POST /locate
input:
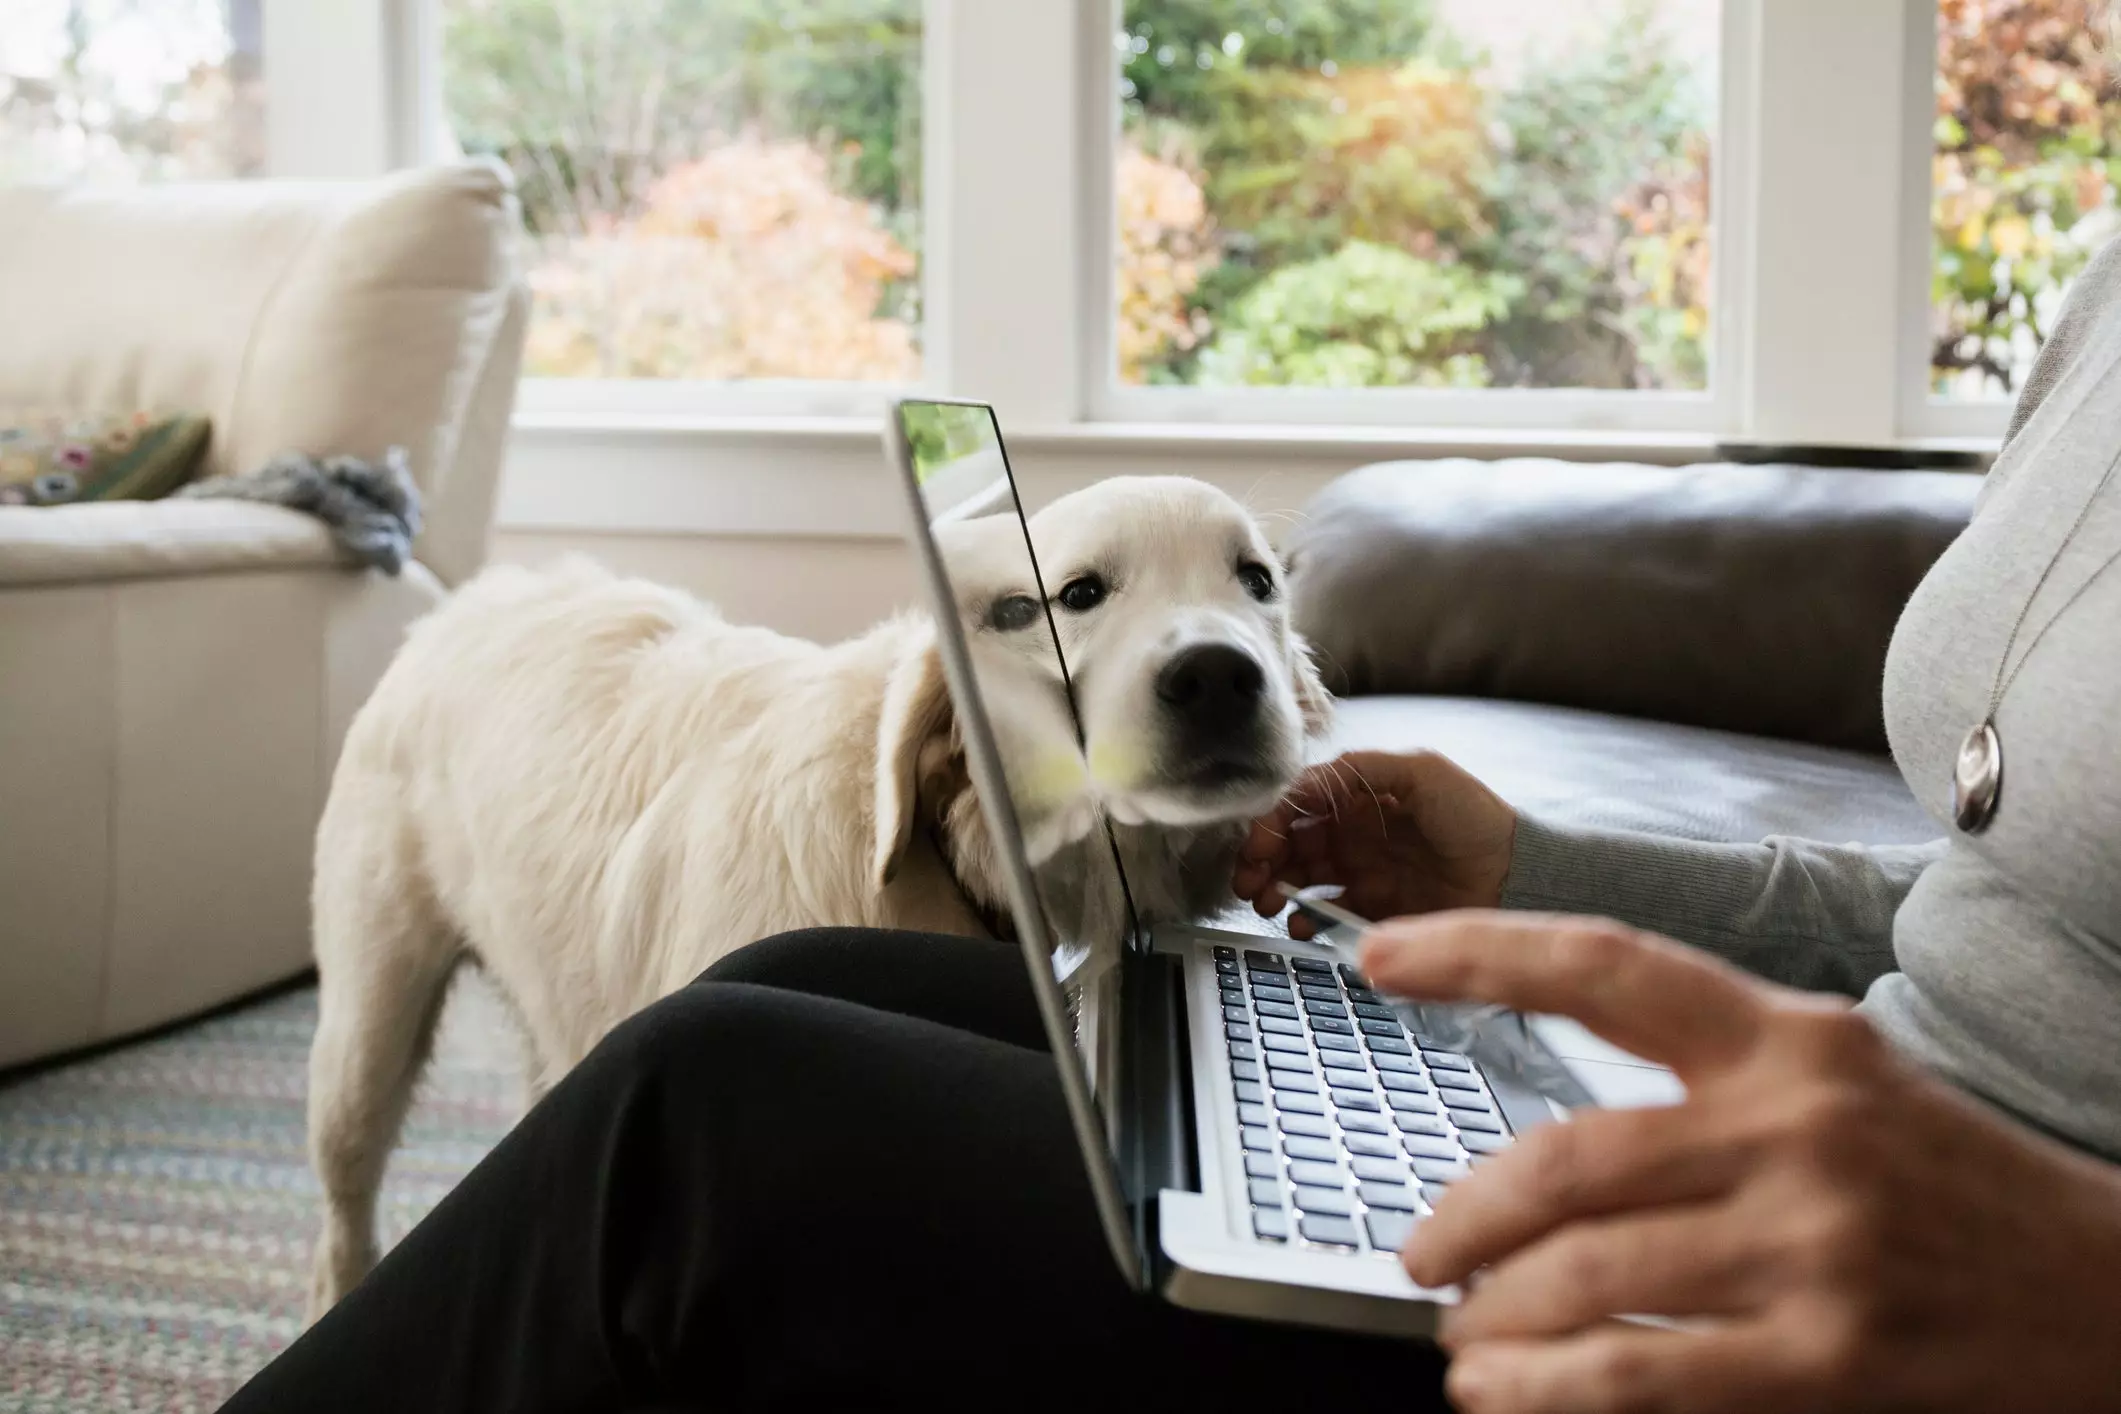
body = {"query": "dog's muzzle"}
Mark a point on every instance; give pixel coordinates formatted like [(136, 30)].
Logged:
[(1215, 697)]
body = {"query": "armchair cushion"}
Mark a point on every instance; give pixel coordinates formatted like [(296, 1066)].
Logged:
[(111, 540)]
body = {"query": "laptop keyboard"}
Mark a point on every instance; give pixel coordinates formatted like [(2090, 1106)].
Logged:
[(1352, 1128)]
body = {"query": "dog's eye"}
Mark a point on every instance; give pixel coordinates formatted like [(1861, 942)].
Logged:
[(1257, 579), (1082, 595), (1012, 613)]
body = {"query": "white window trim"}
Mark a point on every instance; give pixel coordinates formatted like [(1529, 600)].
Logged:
[(1820, 205)]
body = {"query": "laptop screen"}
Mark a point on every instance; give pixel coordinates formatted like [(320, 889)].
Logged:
[(1003, 606)]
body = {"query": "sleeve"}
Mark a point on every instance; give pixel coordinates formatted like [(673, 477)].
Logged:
[(1794, 911)]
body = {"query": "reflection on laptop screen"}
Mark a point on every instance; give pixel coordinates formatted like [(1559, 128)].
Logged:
[(970, 500)]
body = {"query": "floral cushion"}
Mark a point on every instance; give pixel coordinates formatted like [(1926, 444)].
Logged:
[(48, 459)]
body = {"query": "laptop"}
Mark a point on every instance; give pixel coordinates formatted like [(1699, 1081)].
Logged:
[(1261, 1132)]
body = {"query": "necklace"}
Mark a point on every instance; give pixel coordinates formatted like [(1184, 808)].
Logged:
[(1977, 772)]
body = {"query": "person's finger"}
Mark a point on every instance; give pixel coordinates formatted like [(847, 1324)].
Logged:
[(1699, 1260), (1600, 1162), (1656, 998), (1628, 1369)]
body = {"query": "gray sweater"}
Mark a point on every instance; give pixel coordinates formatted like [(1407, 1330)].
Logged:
[(1993, 959)]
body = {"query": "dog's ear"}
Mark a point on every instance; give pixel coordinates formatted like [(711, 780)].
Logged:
[(913, 746), (1312, 700)]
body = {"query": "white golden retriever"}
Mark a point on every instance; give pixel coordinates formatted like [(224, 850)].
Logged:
[(595, 787)]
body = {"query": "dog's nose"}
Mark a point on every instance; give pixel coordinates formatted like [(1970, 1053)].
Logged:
[(1213, 687)]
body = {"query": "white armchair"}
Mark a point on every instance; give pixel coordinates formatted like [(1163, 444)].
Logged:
[(176, 676)]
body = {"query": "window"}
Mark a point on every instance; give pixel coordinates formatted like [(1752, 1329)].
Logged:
[(2028, 151), (130, 90), (713, 191), (1429, 194)]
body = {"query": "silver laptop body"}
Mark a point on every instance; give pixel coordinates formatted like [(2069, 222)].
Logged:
[(1260, 1134)]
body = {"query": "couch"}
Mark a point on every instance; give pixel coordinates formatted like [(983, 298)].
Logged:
[(1695, 651), (176, 676)]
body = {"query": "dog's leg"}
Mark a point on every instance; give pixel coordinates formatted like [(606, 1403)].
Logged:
[(384, 958)]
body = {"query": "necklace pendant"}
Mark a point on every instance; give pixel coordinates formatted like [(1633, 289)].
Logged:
[(1977, 778)]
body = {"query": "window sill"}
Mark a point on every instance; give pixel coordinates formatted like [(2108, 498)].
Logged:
[(822, 477)]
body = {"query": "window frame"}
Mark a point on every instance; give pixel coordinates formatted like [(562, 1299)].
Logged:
[(1821, 325)]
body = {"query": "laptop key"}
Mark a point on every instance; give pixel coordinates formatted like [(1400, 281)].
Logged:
[(1330, 1201), (1261, 1166), (1432, 1193), (1294, 1080), (1379, 1028), (1483, 1143), (1375, 1146), (1327, 1041), (1289, 1045), (1373, 1170), (1270, 1223), (1426, 1125), (1350, 975), (1311, 964), (1225, 954), (1439, 1170), (1257, 1138), (1356, 1122), (1387, 1195), (1266, 1192), (1331, 1009), (1333, 1024), (1406, 1102), (1243, 1070), (1227, 969), (1250, 1092), (1236, 1013), (1356, 1100), (1312, 1171), (1389, 1045), (1237, 1033), (1292, 1060), (1330, 1232), (1388, 1230), (1243, 1051), (1307, 1126), (1320, 993), (1400, 1080), (1281, 1026), (1475, 1121), (1281, 1009), (1298, 1104), (1423, 1146), (1446, 1060), (1454, 1080), (1251, 1114), (1273, 986), (1401, 1065), (1255, 958), (1369, 1011), (1322, 1151)]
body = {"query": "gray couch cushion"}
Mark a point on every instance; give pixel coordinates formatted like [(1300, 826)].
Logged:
[(1751, 598), (1589, 768)]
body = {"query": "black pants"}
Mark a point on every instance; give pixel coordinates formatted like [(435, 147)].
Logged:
[(835, 1171)]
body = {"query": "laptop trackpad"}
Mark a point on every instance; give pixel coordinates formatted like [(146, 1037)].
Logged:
[(1616, 1079)]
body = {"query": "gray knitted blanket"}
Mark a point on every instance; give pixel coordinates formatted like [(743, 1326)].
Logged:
[(373, 508)]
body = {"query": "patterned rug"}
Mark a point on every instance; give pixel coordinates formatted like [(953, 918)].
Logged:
[(156, 1206)]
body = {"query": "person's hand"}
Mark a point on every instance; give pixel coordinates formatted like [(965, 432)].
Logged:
[(1400, 834), (1851, 1233)]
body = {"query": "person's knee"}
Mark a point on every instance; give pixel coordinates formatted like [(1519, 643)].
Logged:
[(795, 958)]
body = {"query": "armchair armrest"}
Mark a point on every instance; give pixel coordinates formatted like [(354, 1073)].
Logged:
[(1756, 599), (106, 540)]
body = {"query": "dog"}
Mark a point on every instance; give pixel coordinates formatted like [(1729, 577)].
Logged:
[(594, 787)]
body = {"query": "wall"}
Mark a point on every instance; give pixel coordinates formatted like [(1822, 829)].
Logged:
[(814, 587)]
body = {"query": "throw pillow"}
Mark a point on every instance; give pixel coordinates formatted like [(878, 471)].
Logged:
[(48, 459)]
